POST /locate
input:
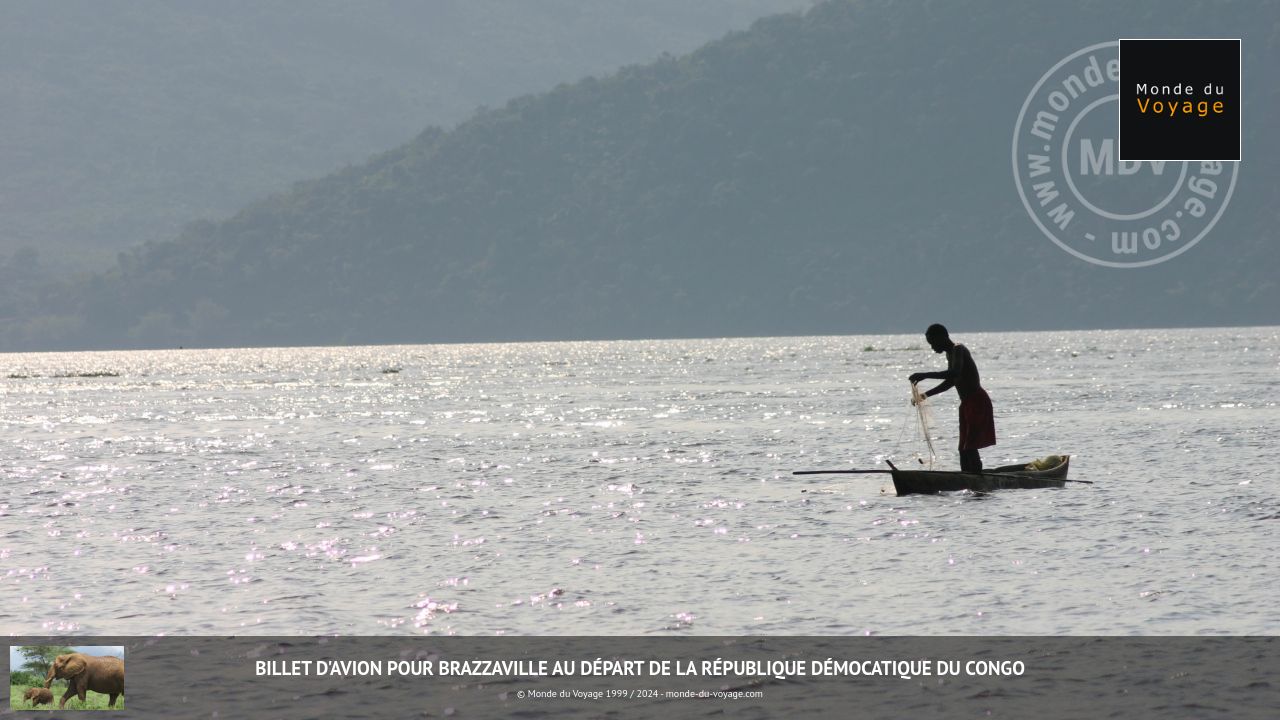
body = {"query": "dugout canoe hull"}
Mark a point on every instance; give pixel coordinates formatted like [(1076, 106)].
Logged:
[(1009, 477)]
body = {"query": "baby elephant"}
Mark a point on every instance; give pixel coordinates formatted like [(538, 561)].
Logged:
[(38, 696)]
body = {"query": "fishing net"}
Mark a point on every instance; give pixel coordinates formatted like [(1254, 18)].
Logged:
[(924, 420)]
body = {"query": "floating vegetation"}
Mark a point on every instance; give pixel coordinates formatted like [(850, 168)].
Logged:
[(88, 374), (65, 375), (873, 348)]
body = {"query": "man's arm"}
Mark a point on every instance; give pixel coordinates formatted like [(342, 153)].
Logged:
[(955, 362), (944, 386), (917, 377)]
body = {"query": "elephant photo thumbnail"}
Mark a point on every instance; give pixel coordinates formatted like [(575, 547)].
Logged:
[(66, 677)]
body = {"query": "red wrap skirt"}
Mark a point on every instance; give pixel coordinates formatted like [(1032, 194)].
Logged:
[(977, 421)]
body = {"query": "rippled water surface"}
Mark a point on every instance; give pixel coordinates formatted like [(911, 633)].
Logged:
[(637, 487)]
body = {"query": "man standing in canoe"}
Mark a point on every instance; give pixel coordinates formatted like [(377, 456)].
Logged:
[(977, 421)]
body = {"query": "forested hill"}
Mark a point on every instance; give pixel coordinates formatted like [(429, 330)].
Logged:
[(124, 121), (846, 170)]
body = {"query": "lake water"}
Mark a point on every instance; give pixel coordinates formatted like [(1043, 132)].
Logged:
[(637, 488)]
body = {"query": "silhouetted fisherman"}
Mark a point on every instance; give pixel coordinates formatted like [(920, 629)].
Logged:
[(977, 420)]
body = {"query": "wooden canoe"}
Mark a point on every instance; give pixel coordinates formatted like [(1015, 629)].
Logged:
[(1008, 477)]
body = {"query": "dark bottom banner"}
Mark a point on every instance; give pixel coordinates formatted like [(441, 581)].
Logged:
[(638, 677)]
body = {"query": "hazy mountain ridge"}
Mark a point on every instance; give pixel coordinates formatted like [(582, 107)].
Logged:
[(125, 121), (844, 171)]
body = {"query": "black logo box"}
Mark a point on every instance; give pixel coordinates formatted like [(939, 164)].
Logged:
[(1186, 67)]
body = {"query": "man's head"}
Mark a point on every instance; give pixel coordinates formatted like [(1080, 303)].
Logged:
[(938, 338)]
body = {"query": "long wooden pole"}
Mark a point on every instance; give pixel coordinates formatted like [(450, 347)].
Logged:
[(840, 472)]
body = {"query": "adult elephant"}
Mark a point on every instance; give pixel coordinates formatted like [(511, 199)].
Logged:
[(88, 672)]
